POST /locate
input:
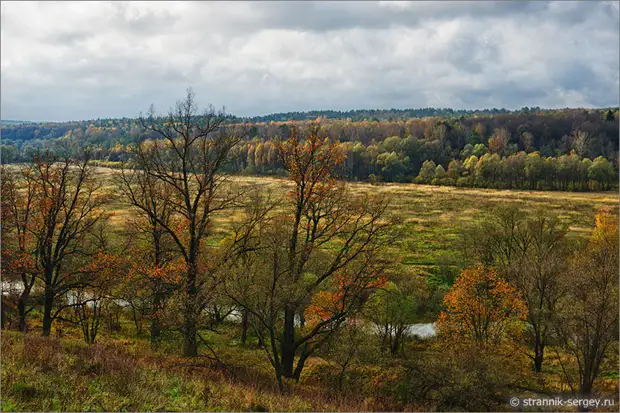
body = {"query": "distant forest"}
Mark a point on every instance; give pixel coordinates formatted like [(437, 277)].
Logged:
[(564, 149)]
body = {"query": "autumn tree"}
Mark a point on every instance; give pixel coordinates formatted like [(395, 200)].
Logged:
[(588, 323), (461, 376), (393, 309), (530, 251), (350, 347), (318, 257), (498, 143), (18, 191), (427, 172), (544, 249), (90, 301), (481, 306), (187, 158), (152, 276), (68, 206)]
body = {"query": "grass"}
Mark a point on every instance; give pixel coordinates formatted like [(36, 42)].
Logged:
[(433, 215), (121, 373), (50, 374)]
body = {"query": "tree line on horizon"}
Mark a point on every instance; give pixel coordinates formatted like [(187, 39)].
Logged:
[(571, 149)]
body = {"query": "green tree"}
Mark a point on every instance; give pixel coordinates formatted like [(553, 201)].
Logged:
[(602, 172), (427, 172), (393, 310)]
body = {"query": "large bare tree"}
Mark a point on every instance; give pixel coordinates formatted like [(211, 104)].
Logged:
[(153, 247), (186, 155), (588, 323)]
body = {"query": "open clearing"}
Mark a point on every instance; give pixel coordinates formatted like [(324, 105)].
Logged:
[(433, 216)]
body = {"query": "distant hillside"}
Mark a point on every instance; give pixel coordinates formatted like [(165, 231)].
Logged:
[(379, 114), (15, 122), (482, 148)]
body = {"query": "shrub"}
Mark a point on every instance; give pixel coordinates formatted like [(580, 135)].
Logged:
[(463, 379)]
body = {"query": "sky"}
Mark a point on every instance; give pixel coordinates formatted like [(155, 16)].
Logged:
[(73, 61)]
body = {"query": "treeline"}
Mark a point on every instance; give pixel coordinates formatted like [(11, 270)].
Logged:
[(549, 132), (444, 154), (523, 171), (388, 150), (475, 167), (379, 115)]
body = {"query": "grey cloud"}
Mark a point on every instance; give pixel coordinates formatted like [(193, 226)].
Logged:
[(326, 16), (70, 61)]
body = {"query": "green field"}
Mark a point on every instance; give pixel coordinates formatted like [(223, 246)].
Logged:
[(433, 216)]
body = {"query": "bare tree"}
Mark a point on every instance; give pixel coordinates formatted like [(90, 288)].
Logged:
[(588, 322), (154, 249), (544, 249), (68, 207), (393, 310), (187, 158), (531, 252)]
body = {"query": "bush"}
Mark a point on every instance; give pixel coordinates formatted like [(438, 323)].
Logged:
[(464, 379), (463, 182), (447, 181)]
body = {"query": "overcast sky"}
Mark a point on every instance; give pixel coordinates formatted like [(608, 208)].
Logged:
[(70, 61)]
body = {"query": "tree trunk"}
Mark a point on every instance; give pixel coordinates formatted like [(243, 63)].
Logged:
[(47, 310), (2, 316), (587, 380), (190, 345), (395, 344), (244, 326), (288, 341), (539, 354), (137, 321), (302, 318), (21, 309), (343, 369), (155, 323), (300, 363)]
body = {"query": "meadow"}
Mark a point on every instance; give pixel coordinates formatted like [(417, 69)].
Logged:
[(433, 216)]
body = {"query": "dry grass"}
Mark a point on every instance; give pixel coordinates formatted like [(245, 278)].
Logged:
[(47, 374), (433, 215)]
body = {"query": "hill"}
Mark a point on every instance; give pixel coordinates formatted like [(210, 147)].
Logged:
[(389, 145)]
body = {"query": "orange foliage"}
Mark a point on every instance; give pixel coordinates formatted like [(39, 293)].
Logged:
[(328, 304), (171, 272), (312, 164), (480, 306)]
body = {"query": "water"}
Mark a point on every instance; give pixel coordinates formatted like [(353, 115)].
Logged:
[(422, 330)]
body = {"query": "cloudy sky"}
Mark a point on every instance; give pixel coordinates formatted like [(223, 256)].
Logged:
[(69, 61)]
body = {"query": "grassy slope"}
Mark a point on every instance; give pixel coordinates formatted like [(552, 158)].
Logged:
[(120, 373)]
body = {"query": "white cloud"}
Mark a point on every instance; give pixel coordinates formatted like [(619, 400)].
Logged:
[(83, 60)]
